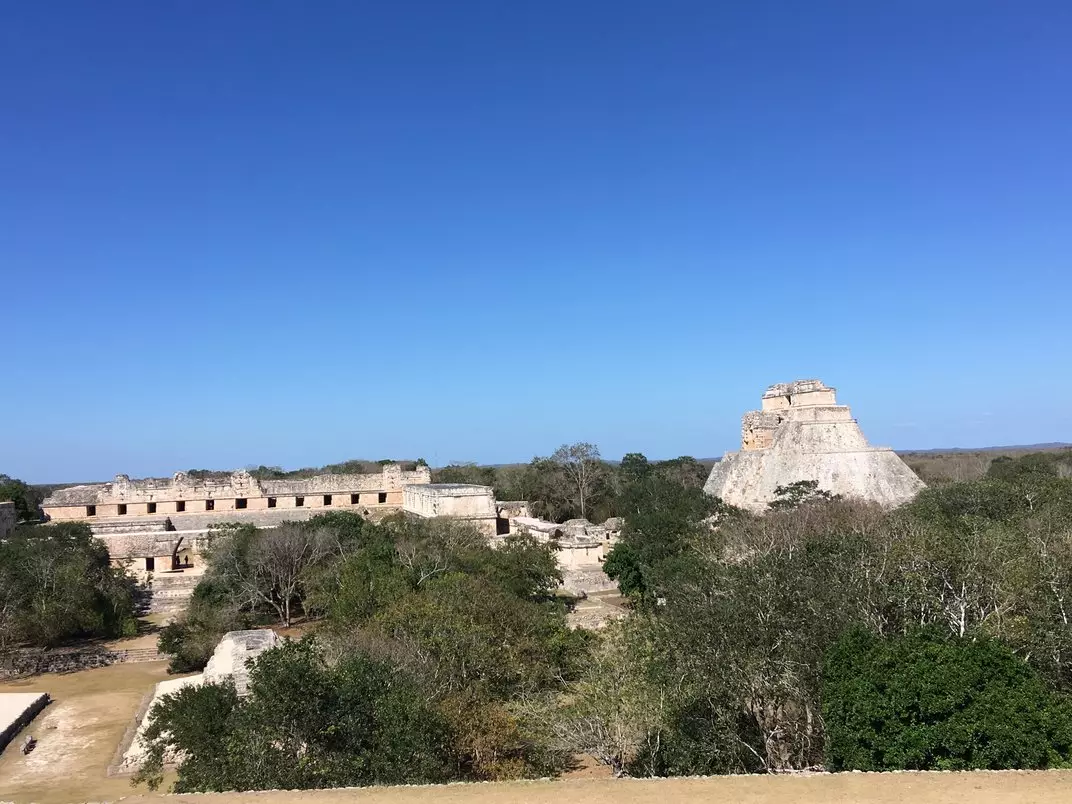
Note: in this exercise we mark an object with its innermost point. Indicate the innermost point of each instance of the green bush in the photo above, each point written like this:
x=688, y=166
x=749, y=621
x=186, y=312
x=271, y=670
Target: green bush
x=930, y=702
x=57, y=585
x=305, y=724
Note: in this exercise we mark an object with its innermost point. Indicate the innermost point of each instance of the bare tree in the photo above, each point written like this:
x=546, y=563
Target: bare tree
x=612, y=713
x=583, y=467
x=425, y=547
x=269, y=567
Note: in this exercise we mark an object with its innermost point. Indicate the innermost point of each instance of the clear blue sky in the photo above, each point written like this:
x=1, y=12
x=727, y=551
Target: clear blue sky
x=293, y=233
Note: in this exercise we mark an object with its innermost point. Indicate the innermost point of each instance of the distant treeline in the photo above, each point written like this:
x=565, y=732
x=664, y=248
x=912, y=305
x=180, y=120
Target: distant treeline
x=960, y=466
x=574, y=481
x=356, y=466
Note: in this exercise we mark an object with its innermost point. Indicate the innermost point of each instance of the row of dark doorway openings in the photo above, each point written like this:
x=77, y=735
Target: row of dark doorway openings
x=240, y=504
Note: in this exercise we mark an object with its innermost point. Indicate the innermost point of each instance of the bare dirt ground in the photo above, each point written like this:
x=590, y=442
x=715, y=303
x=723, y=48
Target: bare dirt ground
x=1040, y=787
x=77, y=734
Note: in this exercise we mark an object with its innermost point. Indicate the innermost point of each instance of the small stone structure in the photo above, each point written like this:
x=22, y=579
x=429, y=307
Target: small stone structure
x=17, y=710
x=8, y=518
x=580, y=549
x=801, y=433
x=231, y=654
x=464, y=501
x=229, y=661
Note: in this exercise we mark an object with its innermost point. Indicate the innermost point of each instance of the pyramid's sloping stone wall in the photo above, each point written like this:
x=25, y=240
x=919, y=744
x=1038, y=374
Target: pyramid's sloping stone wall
x=804, y=441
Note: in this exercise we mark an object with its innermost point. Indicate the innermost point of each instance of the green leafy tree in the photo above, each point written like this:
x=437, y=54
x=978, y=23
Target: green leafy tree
x=661, y=513
x=926, y=701
x=465, y=473
x=27, y=499
x=798, y=493
x=304, y=725
x=480, y=635
x=57, y=584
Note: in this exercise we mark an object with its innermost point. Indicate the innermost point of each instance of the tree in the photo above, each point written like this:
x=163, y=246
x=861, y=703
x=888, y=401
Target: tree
x=27, y=499
x=465, y=473
x=798, y=493
x=269, y=568
x=304, y=725
x=926, y=701
x=584, y=471
x=471, y=633
x=613, y=712
x=57, y=584
x=661, y=514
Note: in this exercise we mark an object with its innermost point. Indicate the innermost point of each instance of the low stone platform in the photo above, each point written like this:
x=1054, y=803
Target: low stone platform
x=17, y=710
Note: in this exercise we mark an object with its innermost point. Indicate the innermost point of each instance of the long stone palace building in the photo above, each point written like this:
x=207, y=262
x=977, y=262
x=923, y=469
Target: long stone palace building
x=237, y=492
x=157, y=525
x=159, y=528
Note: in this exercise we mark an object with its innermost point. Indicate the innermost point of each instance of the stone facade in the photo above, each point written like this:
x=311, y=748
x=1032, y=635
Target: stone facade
x=234, y=495
x=8, y=518
x=464, y=501
x=801, y=433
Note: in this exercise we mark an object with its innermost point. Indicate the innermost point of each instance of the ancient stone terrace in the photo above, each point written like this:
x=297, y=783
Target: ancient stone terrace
x=231, y=494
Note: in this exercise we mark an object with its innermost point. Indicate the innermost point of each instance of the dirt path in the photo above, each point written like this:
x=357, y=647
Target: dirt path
x=849, y=788
x=77, y=734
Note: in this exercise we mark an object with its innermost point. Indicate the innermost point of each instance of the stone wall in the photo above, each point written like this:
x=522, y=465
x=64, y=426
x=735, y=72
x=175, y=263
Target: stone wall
x=8, y=518
x=35, y=661
x=239, y=493
x=17, y=710
x=455, y=500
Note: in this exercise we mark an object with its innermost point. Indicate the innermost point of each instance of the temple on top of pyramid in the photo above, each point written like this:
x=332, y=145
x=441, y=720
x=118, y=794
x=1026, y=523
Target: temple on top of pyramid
x=801, y=433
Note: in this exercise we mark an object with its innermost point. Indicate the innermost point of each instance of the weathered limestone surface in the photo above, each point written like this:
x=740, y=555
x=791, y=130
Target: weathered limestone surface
x=8, y=518
x=465, y=501
x=801, y=433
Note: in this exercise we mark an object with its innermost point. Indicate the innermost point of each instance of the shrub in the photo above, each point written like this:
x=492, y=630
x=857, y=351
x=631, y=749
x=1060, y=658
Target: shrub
x=930, y=702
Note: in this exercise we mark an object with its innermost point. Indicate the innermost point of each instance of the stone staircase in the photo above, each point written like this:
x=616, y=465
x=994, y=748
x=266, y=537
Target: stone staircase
x=171, y=592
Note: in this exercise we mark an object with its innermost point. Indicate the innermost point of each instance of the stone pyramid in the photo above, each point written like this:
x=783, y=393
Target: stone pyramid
x=801, y=433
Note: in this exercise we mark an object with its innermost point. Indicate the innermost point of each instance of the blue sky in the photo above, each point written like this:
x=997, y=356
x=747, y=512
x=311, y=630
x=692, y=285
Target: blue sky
x=293, y=233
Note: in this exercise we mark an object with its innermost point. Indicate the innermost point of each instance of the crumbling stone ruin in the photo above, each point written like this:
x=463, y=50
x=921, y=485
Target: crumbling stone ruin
x=580, y=549
x=231, y=659
x=801, y=433
x=580, y=546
